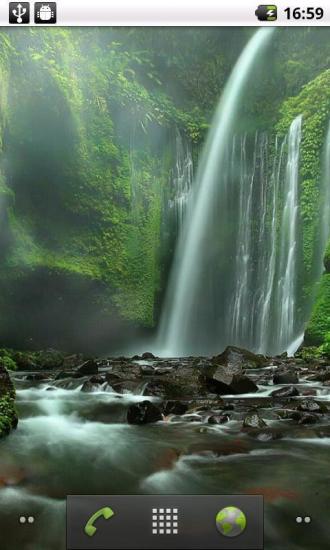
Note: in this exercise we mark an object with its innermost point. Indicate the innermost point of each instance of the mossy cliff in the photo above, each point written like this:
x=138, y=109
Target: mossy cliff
x=318, y=329
x=8, y=415
x=313, y=103
x=87, y=153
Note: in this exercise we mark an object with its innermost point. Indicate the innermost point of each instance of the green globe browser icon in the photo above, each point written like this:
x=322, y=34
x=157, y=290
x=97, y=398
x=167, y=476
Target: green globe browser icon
x=231, y=521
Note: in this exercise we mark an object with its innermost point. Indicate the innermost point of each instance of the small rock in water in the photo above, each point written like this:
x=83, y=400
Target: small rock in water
x=87, y=386
x=253, y=420
x=175, y=407
x=267, y=434
x=288, y=391
x=286, y=377
x=308, y=405
x=218, y=419
x=143, y=413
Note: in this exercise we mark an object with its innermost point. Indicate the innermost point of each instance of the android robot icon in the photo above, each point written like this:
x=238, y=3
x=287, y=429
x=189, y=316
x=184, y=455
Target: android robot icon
x=45, y=13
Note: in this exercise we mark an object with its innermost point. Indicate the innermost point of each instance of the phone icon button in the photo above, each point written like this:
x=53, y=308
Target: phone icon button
x=105, y=513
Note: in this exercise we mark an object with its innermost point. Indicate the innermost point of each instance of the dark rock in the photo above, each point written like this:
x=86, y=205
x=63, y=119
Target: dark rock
x=311, y=406
x=253, y=420
x=228, y=380
x=88, y=368
x=97, y=379
x=288, y=391
x=310, y=392
x=166, y=389
x=143, y=413
x=236, y=357
x=147, y=370
x=87, y=386
x=112, y=378
x=125, y=386
x=285, y=377
x=148, y=355
x=218, y=419
x=322, y=376
x=163, y=370
x=243, y=384
x=36, y=377
x=201, y=405
x=193, y=418
x=175, y=407
x=307, y=418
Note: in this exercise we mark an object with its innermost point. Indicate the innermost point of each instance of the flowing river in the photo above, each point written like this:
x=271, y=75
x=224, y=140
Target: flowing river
x=72, y=442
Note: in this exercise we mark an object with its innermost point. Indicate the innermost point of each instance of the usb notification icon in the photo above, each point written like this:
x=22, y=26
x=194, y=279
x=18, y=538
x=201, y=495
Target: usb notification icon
x=19, y=13
x=266, y=12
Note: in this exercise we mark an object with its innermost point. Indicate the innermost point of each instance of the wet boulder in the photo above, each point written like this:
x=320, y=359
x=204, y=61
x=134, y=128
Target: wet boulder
x=287, y=391
x=175, y=407
x=143, y=413
x=307, y=418
x=218, y=419
x=285, y=377
x=237, y=357
x=243, y=384
x=90, y=367
x=311, y=406
x=228, y=380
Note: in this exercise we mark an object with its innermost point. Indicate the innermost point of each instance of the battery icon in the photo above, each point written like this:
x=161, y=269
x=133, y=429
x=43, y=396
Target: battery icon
x=266, y=12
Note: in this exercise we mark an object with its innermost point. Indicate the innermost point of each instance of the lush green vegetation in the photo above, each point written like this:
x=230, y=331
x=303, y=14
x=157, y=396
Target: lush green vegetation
x=86, y=136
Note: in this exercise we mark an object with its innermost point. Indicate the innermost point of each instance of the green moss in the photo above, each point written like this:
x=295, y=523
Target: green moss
x=319, y=325
x=8, y=415
x=313, y=103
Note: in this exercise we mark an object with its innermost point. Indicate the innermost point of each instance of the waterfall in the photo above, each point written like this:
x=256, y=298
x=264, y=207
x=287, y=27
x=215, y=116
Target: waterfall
x=182, y=180
x=182, y=327
x=287, y=277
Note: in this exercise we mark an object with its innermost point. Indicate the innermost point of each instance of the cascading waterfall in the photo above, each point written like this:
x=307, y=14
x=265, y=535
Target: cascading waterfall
x=235, y=278
x=287, y=278
x=264, y=303
x=191, y=283
x=182, y=180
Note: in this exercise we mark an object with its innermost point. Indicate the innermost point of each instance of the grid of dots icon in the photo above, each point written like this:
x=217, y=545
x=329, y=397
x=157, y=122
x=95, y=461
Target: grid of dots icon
x=165, y=521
